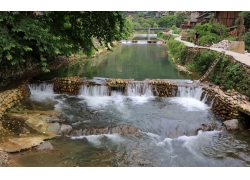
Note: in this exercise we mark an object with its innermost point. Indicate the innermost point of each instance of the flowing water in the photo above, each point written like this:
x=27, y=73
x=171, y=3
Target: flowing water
x=167, y=136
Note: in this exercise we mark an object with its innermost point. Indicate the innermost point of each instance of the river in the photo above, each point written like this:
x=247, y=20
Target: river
x=167, y=135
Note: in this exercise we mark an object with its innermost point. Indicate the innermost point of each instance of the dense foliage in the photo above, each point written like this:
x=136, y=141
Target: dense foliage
x=211, y=32
x=176, y=49
x=44, y=35
x=164, y=21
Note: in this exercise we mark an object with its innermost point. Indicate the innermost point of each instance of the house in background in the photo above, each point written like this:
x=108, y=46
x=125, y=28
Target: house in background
x=226, y=18
x=204, y=17
x=191, y=22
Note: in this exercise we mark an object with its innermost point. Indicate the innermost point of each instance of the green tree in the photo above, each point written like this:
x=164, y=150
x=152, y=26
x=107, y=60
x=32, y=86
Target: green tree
x=146, y=25
x=167, y=21
x=42, y=37
x=180, y=16
x=246, y=16
x=155, y=25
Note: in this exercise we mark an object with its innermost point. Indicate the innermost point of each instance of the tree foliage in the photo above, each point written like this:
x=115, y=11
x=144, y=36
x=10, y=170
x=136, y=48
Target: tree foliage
x=41, y=37
x=211, y=32
x=246, y=16
x=167, y=21
x=180, y=16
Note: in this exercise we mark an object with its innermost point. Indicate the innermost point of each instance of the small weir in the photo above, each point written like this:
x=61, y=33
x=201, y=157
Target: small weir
x=135, y=126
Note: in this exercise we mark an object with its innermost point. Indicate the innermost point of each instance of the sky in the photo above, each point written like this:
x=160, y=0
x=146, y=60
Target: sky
x=126, y=5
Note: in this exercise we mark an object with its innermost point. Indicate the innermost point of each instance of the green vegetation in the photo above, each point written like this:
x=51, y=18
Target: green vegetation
x=177, y=49
x=27, y=35
x=164, y=36
x=246, y=39
x=209, y=33
x=164, y=21
x=227, y=74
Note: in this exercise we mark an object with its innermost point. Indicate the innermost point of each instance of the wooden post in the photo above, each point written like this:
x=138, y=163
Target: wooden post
x=240, y=27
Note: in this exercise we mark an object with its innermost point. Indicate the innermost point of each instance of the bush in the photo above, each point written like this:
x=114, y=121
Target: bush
x=211, y=32
x=201, y=61
x=146, y=25
x=246, y=39
x=231, y=38
x=176, y=48
x=162, y=35
x=209, y=39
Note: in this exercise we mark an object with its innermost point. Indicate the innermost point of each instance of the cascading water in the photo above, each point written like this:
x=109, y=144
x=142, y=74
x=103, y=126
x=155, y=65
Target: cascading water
x=139, y=89
x=190, y=98
x=41, y=91
x=97, y=90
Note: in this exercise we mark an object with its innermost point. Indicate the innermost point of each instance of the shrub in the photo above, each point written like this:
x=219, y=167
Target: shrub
x=209, y=39
x=176, y=47
x=246, y=39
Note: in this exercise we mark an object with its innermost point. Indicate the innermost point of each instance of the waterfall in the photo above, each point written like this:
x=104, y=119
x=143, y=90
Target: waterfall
x=96, y=90
x=41, y=91
x=41, y=87
x=190, y=98
x=189, y=92
x=138, y=89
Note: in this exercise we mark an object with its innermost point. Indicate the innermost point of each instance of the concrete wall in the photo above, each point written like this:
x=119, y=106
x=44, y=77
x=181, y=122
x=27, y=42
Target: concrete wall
x=237, y=46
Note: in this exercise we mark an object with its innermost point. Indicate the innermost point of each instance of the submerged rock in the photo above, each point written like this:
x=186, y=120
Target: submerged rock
x=207, y=127
x=120, y=129
x=45, y=146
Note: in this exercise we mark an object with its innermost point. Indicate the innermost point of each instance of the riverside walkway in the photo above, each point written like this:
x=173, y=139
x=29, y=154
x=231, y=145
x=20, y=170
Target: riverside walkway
x=243, y=58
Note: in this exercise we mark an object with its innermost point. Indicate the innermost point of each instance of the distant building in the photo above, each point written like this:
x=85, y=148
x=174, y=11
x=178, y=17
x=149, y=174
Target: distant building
x=191, y=22
x=204, y=17
x=226, y=18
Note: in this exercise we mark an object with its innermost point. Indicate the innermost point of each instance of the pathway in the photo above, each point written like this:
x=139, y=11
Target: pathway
x=243, y=58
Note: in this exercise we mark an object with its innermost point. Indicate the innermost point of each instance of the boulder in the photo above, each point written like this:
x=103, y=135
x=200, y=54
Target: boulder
x=232, y=124
x=64, y=129
x=54, y=127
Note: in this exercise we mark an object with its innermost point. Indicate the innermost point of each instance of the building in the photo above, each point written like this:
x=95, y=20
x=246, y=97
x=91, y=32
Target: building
x=226, y=18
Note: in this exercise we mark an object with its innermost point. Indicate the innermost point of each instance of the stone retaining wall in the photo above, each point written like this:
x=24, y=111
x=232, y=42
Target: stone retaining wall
x=225, y=104
x=12, y=97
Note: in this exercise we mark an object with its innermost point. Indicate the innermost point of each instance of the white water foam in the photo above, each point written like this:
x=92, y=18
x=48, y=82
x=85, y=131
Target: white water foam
x=41, y=92
x=190, y=99
x=97, y=90
x=140, y=93
x=96, y=139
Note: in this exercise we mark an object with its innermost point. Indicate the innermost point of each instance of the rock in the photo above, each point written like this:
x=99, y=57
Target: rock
x=119, y=129
x=65, y=129
x=232, y=124
x=224, y=44
x=145, y=162
x=208, y=127
x=54, y=127
x=4, y=157
x=45, y=146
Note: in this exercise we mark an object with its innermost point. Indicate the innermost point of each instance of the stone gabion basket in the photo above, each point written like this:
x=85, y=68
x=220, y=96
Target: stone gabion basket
x=68, y=85
x=164, y=89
